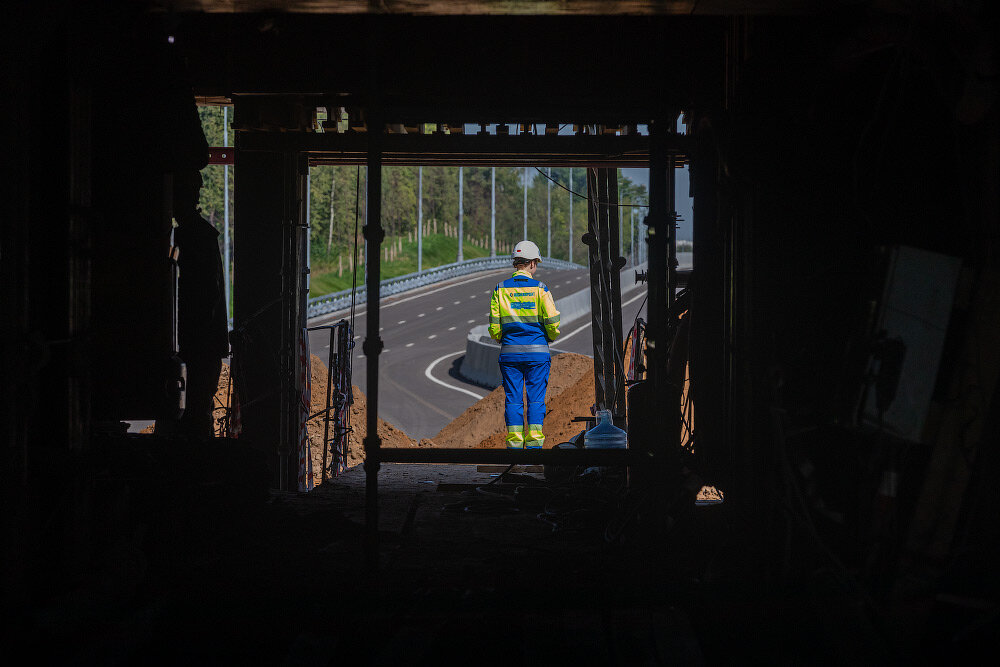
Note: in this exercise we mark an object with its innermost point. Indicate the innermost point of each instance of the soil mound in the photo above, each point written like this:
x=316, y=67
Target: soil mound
x=570, y=394
x=391, y=436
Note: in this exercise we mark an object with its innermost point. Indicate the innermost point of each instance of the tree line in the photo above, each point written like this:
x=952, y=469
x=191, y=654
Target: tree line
x=337, y=199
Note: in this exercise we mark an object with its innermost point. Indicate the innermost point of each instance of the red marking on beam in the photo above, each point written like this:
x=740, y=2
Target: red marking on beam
x=220, y=155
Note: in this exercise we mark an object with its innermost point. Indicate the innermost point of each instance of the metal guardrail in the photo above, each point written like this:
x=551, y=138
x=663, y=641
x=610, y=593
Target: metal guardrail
x=331, y=303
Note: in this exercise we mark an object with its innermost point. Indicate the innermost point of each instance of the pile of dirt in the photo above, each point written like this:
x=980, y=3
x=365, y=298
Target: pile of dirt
x=391, y=436
x=570, y=394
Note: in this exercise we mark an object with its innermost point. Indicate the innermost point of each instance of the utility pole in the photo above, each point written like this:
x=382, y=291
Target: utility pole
x=631, y=236
x=308, y=221
x=333, y=187
x=493, y=212
x=571, y=214
x=225, y=208
x=548, y=219
x=618, y=183
x=420, y=219
x=525, y=235
x=460, y=175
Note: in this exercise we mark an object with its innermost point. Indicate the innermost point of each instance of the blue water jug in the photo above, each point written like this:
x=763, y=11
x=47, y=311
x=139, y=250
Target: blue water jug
x=605, y=435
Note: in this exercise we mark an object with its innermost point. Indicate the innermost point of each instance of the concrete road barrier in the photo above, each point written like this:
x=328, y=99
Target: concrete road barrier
x=481, y=363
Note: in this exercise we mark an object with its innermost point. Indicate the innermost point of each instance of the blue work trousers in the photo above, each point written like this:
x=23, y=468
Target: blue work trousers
x=518, y=376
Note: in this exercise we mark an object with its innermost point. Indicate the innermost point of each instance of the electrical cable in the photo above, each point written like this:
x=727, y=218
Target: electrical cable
x=350, y=329
x=585, y=196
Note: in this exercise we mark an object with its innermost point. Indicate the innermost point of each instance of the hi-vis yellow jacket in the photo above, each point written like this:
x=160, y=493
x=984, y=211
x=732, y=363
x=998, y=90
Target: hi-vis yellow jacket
x=523, y=317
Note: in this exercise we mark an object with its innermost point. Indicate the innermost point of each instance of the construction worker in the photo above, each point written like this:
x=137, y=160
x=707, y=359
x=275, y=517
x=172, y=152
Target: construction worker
x=202, y=328
x=523, y=317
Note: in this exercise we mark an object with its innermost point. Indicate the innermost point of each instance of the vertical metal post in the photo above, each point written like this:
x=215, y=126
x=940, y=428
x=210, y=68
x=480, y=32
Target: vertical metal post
x=631, y=235
x=657, y=222
x=292, y=314
x=548, y=218
x=614, y=344
x=571, y=214
x=225, y=215
x=420, y=219
x=461, y=180
x=493, y=212
x=372, y=346
x=597, y=254
x=308, y=224
x=524, y=236
x=671, y=230
x=618, y=198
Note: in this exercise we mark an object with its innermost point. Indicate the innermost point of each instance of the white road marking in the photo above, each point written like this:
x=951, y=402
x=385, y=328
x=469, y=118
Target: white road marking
x=411, y=298
x=574, y=332
x=455, y=303
x=439, y=308
x=420, y=315
x=471, y=322
x=642, y=293
x=472, y=296
x=451, y=328
x=581, y=328
x=409, y=345
x=432, y=337
x=401, y=322
x=430, y=376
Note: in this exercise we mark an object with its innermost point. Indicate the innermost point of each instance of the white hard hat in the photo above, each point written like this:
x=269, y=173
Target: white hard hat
x=526, y=250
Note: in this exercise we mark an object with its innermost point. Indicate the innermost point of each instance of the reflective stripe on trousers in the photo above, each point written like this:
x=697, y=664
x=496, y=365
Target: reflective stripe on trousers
x=523, y=349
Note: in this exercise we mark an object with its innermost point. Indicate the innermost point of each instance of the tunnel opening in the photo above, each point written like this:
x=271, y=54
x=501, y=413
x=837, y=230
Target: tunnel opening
x=813, y=182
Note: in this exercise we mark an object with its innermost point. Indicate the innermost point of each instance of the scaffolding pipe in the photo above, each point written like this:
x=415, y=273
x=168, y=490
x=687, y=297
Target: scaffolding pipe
x=374, y=234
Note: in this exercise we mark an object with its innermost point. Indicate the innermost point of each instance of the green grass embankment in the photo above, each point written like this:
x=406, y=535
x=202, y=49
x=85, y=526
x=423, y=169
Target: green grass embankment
x=438, y=249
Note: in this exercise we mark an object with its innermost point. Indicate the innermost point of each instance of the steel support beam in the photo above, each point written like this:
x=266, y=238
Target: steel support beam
x=269, y=300
x=568, y=457
x=351, y=148
x=605, y=289
x=374, y=235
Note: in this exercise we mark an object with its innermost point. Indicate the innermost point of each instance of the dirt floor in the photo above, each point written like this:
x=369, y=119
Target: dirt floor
x=570, y=394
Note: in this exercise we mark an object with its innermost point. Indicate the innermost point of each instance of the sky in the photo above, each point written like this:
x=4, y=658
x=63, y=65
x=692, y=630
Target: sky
x=682, y=201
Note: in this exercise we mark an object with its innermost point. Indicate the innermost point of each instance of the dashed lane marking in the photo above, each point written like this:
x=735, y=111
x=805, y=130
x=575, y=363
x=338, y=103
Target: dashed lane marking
x=471, y=322
x=420, y=315
x=439, y=308
x=401, y=322
x=451, y=328
x=432, y=337
x=455, y=303
x=409, y=345
x=415, y=296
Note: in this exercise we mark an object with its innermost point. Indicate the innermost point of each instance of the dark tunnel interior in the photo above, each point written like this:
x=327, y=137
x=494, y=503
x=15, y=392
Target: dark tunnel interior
x=841, y=328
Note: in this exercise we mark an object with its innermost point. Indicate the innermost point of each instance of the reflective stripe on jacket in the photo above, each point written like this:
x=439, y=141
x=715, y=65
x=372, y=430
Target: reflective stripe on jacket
x=523, y=317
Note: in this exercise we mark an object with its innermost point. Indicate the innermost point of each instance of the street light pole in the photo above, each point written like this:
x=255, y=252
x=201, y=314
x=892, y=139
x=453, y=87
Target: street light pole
x=548, y=219
x=493, y=212
x=460, y=178
x=525, y=235
x=225, y=208
x=631, y=236
x=420, y=219
x=571, y=214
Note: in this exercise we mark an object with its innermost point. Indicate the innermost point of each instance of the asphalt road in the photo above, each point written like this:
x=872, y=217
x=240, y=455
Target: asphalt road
x=424, y=332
